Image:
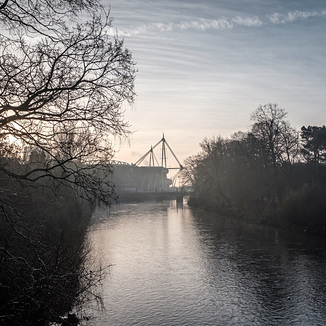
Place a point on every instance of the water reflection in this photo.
(176, 266)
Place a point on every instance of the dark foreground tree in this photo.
(63, 79)
(62, 85)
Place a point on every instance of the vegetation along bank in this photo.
(272, 173)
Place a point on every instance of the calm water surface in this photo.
(173, 265)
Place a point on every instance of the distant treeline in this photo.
(272, 173)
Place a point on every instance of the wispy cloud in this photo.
(201, 24)
(290, 17)
(223, 23)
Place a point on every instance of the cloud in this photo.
(290, 17)
(201, 24)
(248, 21)
(223, 23)
(205, 24)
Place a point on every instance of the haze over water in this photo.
(173, 265)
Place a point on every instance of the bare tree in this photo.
(216, 156)
(62, 85)
(64, 77)
(268, 126)
(43, 16)
(279, 142)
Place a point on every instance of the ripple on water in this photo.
(177, 266)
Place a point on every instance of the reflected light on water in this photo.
(172, 265)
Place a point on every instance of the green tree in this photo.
(314, 144)
(313, 139)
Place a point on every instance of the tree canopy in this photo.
(314, 144)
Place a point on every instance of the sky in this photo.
(205, 66)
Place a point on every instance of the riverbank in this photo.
(302, 211)
(42, 255)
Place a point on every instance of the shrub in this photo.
(306, 208)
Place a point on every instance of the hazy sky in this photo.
(205, 66)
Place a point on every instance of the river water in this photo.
(173, 265)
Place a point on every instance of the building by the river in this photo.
(133, 178)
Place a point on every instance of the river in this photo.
(174, 265)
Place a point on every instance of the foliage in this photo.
(306, 208)
(314, 144)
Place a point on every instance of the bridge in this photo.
(137, 181)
